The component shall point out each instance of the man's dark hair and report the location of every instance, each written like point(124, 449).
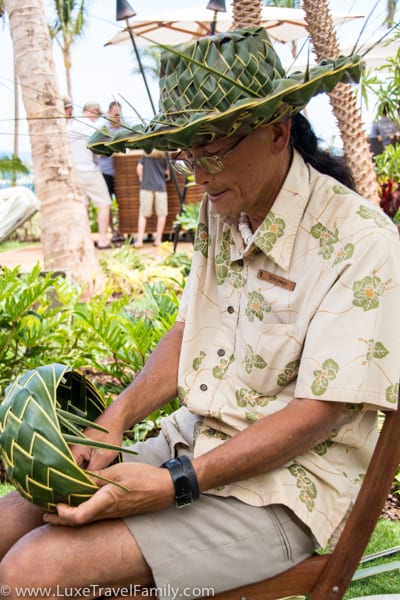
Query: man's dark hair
point(306, 142)
point(114, 103)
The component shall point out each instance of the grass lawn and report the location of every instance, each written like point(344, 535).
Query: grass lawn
point(9, 245)
point(385, 536)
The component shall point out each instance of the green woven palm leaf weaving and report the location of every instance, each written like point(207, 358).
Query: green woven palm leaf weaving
point(223, 85)
point(43, 411)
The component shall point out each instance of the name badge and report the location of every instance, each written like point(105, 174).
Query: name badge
point(276, 279)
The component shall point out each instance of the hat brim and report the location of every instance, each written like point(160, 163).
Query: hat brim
point(170, 132)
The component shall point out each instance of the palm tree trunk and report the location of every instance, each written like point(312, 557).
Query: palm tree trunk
point(355, 144)
point(246, 13)
point(391, 9)
point(66, 240)
point(67, 65)
point(16, 121)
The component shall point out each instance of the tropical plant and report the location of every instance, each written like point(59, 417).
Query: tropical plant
point(69, 24)
point(42, 321)
point(129, 272)
point(388, 174)
point(188, 218)
point(11, 166)
point(387, 93)
point(386, 89)
point(36, 321)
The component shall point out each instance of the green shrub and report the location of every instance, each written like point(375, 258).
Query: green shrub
point(36, 321)
point(109, 338)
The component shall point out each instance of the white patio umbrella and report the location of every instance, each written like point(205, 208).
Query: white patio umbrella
point(375, 51)
point(283, 25)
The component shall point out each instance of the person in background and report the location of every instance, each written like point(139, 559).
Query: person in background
point(112, 122)
point(285, 347)
point(68, 108)
point(153, 173)
point(90, 177)
point(384, 130)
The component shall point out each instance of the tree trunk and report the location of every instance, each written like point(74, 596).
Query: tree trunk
point(355, 143)
point(16, 122)
point(66, 240)
point(246, 13)
point(67, 65)
point(391, 9)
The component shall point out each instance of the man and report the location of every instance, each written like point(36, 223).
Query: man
point(285, 347)
point(153, 173)
point(89, 175)
point(384, 129)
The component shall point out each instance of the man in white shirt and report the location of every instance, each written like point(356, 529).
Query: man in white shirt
point(89, 175)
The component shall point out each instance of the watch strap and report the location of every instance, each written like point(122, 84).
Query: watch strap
point(184, 480)
point(190, 472)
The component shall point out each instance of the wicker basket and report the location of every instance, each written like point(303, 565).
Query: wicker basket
point(35, 432)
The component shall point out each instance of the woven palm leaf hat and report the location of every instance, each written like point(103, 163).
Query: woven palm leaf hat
point(42, 412)
point(222, 85)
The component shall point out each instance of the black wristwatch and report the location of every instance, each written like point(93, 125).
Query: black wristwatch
point(184, 479)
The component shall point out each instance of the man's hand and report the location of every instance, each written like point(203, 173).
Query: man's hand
point(147, 489)
point(93, 459)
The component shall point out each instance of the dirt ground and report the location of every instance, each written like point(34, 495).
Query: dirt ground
point(28, 255)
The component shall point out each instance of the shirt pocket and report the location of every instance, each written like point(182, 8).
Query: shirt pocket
point(269, 359)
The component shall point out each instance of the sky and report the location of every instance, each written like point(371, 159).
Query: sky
point(105, 73)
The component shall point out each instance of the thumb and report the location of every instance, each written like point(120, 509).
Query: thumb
point(94, 509)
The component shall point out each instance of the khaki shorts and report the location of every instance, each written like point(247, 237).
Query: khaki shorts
point(160, 199)
point(94, 187)
point(216, 543)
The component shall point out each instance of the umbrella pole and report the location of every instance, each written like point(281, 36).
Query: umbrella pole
point(140, 64)
point(181, 194)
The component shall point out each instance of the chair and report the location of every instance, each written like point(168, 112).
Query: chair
point(327, 577)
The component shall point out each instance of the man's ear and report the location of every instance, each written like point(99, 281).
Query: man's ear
point(281, 136)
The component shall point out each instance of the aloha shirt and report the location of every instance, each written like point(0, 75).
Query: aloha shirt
point(310, 309)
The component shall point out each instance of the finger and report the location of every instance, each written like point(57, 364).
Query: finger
point(79, 456)
point(99, 459)
point(94, 509)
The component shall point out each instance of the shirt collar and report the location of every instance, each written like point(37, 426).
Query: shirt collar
point(276, 235)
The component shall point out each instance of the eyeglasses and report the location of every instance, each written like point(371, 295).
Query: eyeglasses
point(211, 164)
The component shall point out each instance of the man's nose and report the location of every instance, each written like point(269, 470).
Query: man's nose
point(201, 176)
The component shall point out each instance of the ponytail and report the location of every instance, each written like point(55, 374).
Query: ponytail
point(306, 143)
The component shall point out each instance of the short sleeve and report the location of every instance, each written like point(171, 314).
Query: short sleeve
point(352, 348)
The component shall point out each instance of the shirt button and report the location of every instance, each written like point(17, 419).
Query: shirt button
point(203, 387)
point(221, 352)
point(231, 310)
